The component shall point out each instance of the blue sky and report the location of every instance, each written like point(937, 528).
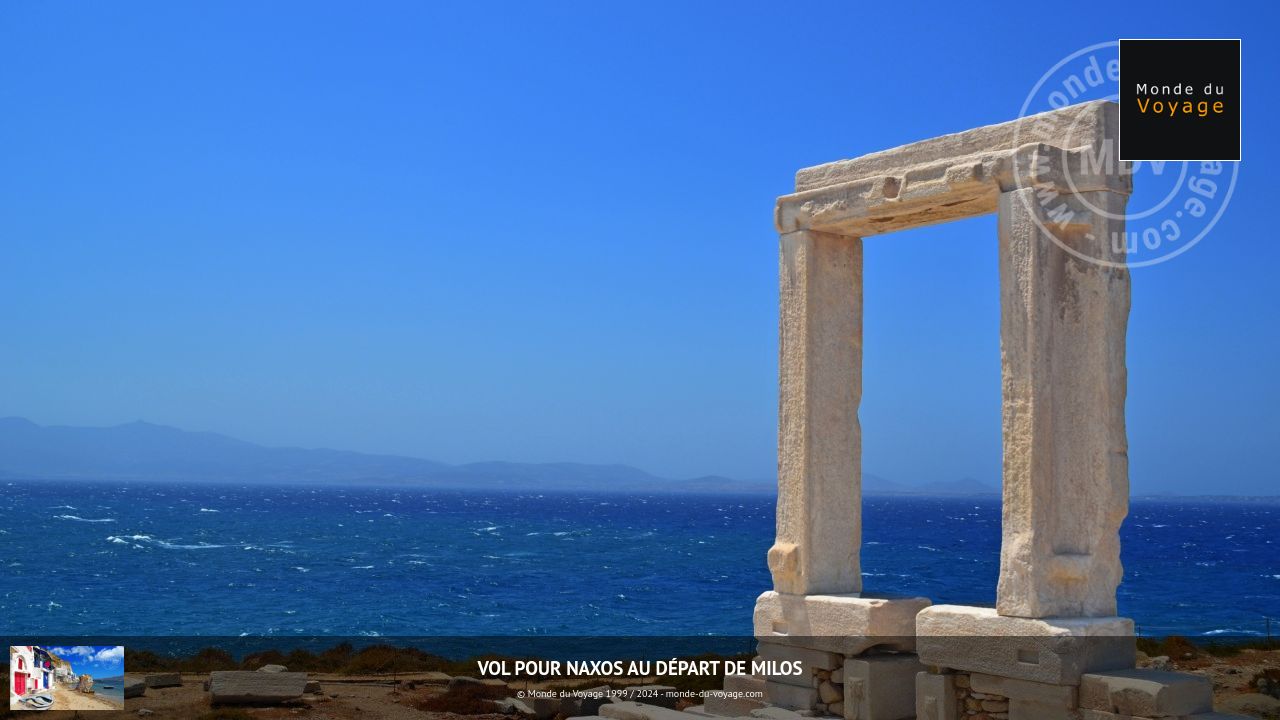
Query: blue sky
point(543, 232)
point(100, 661)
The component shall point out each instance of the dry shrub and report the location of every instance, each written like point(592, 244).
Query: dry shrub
point(463, 700)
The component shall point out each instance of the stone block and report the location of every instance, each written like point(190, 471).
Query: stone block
point(313, 686)
point(513, 706)
point(1036, 710)
point(164, 680)
point(938, 180)
point(592, 698)
point(791, 697)
point(1146, 693)
point(936, 697)
point(881, 687)
point(628, 710)
point(135, 687)
point(744, 684)
point(777, 713)
point(727, 705)
point(1085, 124)
point(1056, 651)
point(241, 687)
point(660, 695)
point(840, 624)
point(1060, 695)
point(809, 658)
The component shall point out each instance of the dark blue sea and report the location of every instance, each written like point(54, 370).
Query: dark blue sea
point(146, 559)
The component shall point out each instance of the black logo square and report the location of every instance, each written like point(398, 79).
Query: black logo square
point(1179, 99)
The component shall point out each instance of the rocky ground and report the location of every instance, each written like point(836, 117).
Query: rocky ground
point(1246, 682)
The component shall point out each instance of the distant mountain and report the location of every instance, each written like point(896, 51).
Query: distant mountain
point(144, 451)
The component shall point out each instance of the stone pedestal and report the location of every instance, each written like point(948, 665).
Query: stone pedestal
point(842, 624)
point(1057, 651)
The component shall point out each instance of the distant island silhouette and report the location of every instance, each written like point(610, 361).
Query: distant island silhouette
point(142, 451)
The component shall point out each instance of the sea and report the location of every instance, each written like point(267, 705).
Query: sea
point(114, 693)
point(99, 558)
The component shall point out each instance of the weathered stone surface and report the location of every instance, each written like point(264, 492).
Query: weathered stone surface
point(734, 704)
point(810, 659)
point(1056, 651)
point(819, 521)
point(593, 698)
point(513, 706)
point(240, 687)
point(628, 710)
point(776, 713)
point(660, 695)
point(744, 684)
point(164, 680)
point(273, 668)
point(844, 624)
point(791, 697)
point(904, 187)
point(1072, 126)
point(1035, 710)
point(881, 687)
point(1148, 693)
point(135, 687)
point(936, 697)
point(545, 708)
point(1062, 695)
point(313, 686)
point(1066, 478)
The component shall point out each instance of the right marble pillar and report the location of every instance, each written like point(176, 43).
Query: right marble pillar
point(1064, 312)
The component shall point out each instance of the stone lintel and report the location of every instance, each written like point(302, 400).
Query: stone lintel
point(1056, 651)
point(949, 189)
point(1086, 124)
point(844, 624)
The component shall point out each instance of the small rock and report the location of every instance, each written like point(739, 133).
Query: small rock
point(164, 680)
point(512, 706)
point(1161, 662)
point(1253, 704)
point(134, 688)
point(464, 681)
point(273, 668)
point(143, 712)
point(313, 686)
